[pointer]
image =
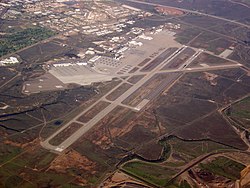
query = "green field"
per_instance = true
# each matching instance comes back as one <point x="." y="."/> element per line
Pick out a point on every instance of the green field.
<point x="149" y="172"/>
<point x="188" y="150"/>
<point x="155" y="174"/>
<point x="184" y="184"/>
<point x="242" y="109"/>
<point x="240" y="112"/>
<point x="225" y="167"/>
<point x="18" y="40"/>
<point x="7" y="152"/>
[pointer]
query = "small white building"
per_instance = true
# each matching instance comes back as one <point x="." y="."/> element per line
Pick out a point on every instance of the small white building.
<point x="9" y="61"/>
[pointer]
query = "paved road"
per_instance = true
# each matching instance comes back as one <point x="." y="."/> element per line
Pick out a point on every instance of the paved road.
<point x="118" y="102"/>
<point x="192" y="11"/>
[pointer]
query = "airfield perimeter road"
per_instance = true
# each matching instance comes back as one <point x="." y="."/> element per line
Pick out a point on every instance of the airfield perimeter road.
<point x="191" y="11"/>
<point x="118" y="102"/>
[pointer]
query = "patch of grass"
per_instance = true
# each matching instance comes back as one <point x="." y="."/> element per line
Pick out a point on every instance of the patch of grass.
<point x="38" y="158"/>
<point x="185" y="184"/>
<point x="175" y="164"/>
<point x="26" y="185"/>
<point x="16" y="41"/>
<point x="4" y="173"/>
<point x="242" y="113"/>
<point x="166" y="150"/>
<point x="90" y="151"/>
<point x="93" y="180"/>
<point x="189" y="150"/>
<point x="55" y="179"/>
<point x="241" y="109"/>
<point x="7" y="152"/>
<point x="46" y="160"/>
<point x="11" y="168"/>
<point x="149" y="172"/>
<point x="9" y="176"/>
<point x="225" y="167"/>
<point x="13" y="181"/>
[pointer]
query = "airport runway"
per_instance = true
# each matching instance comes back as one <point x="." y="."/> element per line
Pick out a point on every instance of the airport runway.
<point x="173" y="76"/>
<point x="71" y="139"/>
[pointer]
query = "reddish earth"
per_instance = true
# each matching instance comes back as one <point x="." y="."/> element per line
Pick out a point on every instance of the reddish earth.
<point x="72" y="159"/>
<point x="168" y="11"/>
<point x="245" y="177"/>
<point x="9" y="142"/>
